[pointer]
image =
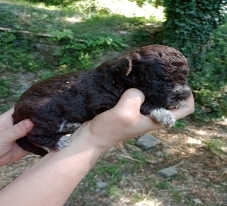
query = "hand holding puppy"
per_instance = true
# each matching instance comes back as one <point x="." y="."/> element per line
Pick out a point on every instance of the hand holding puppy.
<point x="9" y="149"/>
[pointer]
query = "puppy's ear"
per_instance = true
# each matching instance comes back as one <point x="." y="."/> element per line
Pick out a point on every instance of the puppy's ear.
<point x="122" y="66"/>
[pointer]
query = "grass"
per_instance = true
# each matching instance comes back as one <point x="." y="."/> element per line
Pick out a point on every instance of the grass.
<point x="41" y="19"/>
<point x="5" y="87"/>
<point x="216" y="145"/>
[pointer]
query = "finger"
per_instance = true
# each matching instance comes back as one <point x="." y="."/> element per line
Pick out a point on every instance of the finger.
<point x="131" y="98"/>
<point x="145" y="124"/>
<point x="17" y="131"/>
<point x="126" y="112"/>
<point x="128" y="107"/>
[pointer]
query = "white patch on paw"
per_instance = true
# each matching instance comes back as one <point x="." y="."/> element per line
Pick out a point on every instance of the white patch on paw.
<point x="163" y="116"/>
<point x="71" y="127"/>
<point x="63" y="142"/>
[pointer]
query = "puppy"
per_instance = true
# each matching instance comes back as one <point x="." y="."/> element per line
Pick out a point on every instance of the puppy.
<point x="59" y="105"/>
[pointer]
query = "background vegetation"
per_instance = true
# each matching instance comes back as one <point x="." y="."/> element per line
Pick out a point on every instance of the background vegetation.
<point x="191" y="26"/>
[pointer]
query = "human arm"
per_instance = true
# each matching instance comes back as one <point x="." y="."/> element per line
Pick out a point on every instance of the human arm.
<point x="51" y="180"/>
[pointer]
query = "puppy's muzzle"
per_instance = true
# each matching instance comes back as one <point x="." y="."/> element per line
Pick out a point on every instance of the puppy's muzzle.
<point x="182" y="92"/>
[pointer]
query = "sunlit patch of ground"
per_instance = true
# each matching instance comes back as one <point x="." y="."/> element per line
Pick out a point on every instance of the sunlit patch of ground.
<point x="131" y="9"/>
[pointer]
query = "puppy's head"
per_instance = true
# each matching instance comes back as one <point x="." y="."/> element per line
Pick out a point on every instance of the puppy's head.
<point x="159" y="71"/>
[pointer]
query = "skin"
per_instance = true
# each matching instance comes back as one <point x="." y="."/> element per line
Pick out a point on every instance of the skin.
<point x="52" y="179"/>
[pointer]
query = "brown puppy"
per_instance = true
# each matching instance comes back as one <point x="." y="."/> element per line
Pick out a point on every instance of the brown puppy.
<point x="58" y="105"/>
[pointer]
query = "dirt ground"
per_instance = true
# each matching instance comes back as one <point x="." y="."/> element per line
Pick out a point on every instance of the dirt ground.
<point x="202" y="171"/>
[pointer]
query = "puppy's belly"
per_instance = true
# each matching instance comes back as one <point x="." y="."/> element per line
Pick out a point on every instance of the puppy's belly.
<point x="63" y="142"/>
<point x="66" y="128"/>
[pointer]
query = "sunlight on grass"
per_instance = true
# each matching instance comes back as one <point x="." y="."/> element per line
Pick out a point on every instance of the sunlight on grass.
<point x="73" y="19"/>
<point x="139" y="200"/>
<point x="120" y="7"/>
<point x="131" y="9"/>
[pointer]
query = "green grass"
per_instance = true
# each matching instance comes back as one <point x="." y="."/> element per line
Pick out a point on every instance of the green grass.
<point x="5" y="87"/>
<point x="215" y="145"/>
<point x="45" y="20"/>
<point x="29" y="17"/>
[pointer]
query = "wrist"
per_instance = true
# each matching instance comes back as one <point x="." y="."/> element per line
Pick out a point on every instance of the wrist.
<point x="82" y="151"/>
<point x="95" y="142"/>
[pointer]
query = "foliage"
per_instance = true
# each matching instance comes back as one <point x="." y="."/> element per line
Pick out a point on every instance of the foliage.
<point x="189" y="24"/>
<point x="180" y="125"/>
<point x="162" y="185"/>
<point x="177" y="195"/>
<point x="15" y="53"/>
<point x="5" y="87"/>
<point x="74" y="53"/>
<point x="53" y="2"/>
<point x="81" y="49"/>
<point x="208" y="79"/>
<point x="215" y="145"/>
<point x="188" y="27"/>
<point x="156" y="3"/>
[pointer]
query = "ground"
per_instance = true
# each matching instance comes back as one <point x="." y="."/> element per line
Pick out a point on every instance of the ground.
<point x="130" y="172"/>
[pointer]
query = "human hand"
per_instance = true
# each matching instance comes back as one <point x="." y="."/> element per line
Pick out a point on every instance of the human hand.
<point x="124" y="121"/>
<point x="9" y="133"/>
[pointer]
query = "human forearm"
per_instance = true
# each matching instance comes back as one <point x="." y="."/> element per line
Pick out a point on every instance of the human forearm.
<point x="53" y="178"/>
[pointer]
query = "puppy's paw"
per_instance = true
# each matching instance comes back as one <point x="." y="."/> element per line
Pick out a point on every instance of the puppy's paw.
<point x="163" y="116"/>
<point x="63" y="142"/>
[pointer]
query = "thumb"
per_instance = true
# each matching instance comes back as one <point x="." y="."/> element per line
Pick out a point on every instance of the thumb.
<point x="18" y="130"/>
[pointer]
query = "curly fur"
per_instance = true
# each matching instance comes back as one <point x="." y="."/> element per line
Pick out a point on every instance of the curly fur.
<point x="59" y="105"/>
